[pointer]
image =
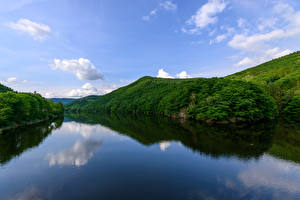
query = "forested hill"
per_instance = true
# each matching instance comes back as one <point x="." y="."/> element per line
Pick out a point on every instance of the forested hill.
<point x="213" y="100"/>
<point x="3" y="88"/>
<point x="281" y="78"/>
<point x="25" y="108"/>
<point x="247" y="96"/>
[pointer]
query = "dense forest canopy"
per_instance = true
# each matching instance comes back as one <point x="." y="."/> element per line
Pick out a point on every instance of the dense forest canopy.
<point x="281" y="78"/>
<point x="19" y="108"/>
<point x="214" y="99"/>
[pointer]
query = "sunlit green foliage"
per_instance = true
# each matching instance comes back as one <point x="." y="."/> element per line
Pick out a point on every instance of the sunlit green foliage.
<point x="18" y="108"/>
<point x="291" y="110"/>
<point x="281" y="77"/>
<point x="214" y="99"/>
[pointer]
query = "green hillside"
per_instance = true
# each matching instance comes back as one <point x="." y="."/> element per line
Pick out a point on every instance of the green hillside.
<point x="242" y="97"/>
<point x="24" y="108"/>
<point x="3" y="88"/>
<point x="281" y="78"/>
<point x="212" y="100"/>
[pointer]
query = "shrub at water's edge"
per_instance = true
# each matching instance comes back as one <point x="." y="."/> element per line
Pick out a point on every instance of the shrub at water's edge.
<point x="23" y="108"/>
<point x="213" y="100"/>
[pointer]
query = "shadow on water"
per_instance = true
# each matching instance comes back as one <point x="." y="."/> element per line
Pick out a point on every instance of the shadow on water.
<point x="215" y="141"/>
<point x="15" y="142"/>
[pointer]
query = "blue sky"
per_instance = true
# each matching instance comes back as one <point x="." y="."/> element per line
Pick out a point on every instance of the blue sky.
<point x="74" y="48"/>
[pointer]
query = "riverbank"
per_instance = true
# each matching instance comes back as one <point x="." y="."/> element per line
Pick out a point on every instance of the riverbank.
<point x="3" y="129"/>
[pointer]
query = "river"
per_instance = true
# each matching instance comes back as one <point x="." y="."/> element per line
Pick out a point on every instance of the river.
<point x="137" y="157"/>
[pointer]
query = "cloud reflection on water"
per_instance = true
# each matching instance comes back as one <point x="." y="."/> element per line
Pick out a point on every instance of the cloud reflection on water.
<point x="164" y="145"/>
<point x="272" y="173"/>
<point x="77" y="155"/>
<point x="31" y="193"/>
<point x="85" y="130"/>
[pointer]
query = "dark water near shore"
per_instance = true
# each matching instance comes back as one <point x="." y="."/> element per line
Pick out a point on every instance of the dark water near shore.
<point x="126" y="157"/>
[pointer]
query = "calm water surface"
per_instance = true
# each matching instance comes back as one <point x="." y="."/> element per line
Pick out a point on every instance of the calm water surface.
<point x="114" y="157"/>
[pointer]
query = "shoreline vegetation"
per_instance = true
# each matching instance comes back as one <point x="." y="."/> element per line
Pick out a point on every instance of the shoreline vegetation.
<point x="29" y="123"/>
<point x="263" y="93"/>
<point x="22" y="109"/>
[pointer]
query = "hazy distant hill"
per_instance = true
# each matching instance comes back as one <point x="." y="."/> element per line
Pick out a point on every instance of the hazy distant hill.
<point x="62" y="100"/>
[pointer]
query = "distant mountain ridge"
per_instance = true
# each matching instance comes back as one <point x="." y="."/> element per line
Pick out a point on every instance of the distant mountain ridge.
<point x="62" y="100"/>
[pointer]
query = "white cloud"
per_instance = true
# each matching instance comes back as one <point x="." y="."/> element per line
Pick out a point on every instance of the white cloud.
<point x="37" y="31"/>
<point x="267" y="23"/>
<point x="49" y="95"/>
<point x="11" y="79"/>
<point x="86" y="90"/>
<point x="218" y="39"/>
<point x="164" y="145"/>
<point x="163" y="74"/>
<point x="82" y="68"/>
<point x="167" y="5"/>
<point x="206" y="15"/>
<point x="283" y="9"/>
<point x="245" y="62"/>
<point x="268" y="55"/>
<point x="241" y="22"/>
<point x="258" y="42"/>
<point x="222" y="37"/>
<point x="183" y="74"/>
<point x="78" y="155"/>
<point x="282" y="53"/>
